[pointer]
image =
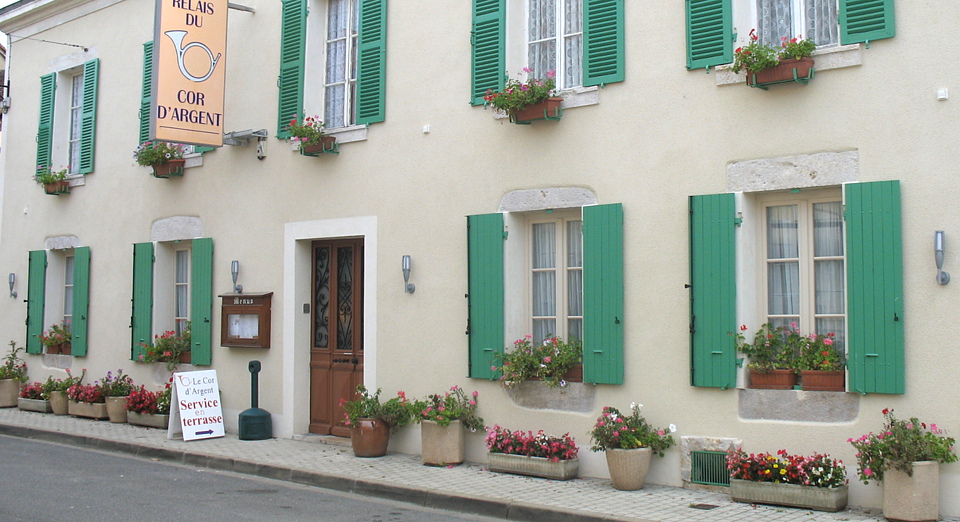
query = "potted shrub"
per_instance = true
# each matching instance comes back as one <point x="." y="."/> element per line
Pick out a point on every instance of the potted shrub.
<point x="371" y="421"/>
<point x="815" y="482"/>
<point x="13" y="371"/>
<point x="905" y="457"/>
<point x="629" y="443"/>
<point x="33" y="398"/>
<point x="168" y="348"/>
<point x="116" y="389"/>
<point x="773" y="355"/>
<point x="524" y="102"/>
<point x="54" y="181"/>
<point x="309" y="134"/>
<point x="526" y="453"/>
<point x="766" y="65"/>
<point x="56" y="390"/>
<point x="821" y="365"/>
<point x="442" y="419"/>
<point x="87" y="400"/>
<point x="147" y="408"/>
<point x="553" y="361"/>
<point x="165" y="158"/>
<point x="57" y="339"/>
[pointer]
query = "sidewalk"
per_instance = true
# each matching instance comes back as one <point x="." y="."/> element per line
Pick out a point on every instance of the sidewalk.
<point x="467" y="488"/>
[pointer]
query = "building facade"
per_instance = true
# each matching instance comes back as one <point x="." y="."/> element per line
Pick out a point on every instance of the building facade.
<point x="669" y="205"/>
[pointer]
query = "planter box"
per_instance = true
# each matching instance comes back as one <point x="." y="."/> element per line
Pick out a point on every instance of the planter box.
<point x="9" y="392"/>
<point x="574" y="374"/>
<point x="327" y="145"/>
<point x="790" y="70"/>
<point x="442" y="445"/>
<point x="173" y="167"/>
<point x="548" y="109"/>
<point x="56" y="188"/>
<point x="150" y="420"/>
<point x="96" y="410"/>
<point x="63" y="349"/>
<point x="792" y="495"/>
<point x="533" y="466"/>
<point x="817" y="380"/>
<point x="774" y="380"/>
<point x="38" y="405"/>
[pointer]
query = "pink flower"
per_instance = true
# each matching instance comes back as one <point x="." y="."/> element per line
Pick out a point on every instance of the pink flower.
<point x="867" y="471"/>
<point x="660" y="432"/>
<point x="547" y="360"/>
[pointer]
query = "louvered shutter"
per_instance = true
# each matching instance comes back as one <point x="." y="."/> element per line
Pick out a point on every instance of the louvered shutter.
<point x="48" y="91"/>
<point x="141" y="319"/>
<point x="488" y="40"/>
<point x="146" y="89"/>
<point x="36" y="290"/>
<point x="602" y="41"/>
<point x="81" y="300"/>
<point x="201" y="301"/>
<point x="88" y="116"/>
<point x="372" y="61"/>
<point x="709" y="33"/>
<point x="292" y="51"/>
<point x="485" y="292"/>
<point x="713" y="291"/>
<point x="874" y="287"/>
<point x="865" y="20"/>
<point x="603" y="294"/>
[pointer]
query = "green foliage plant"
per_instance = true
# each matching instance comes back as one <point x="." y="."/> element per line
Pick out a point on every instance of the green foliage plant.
<point x="547" y="361"/>
<point x="452" y="405"/>
<point x="151" y="153"/>
<point x="614" y="430"/>
<point x="309" y="131"/>
<point x="395" y="412"/>
<point x="13" y="367"/>
<point x="46" y="175"/>
<point x="518" y="94"/>
<point x="898" y="445"/>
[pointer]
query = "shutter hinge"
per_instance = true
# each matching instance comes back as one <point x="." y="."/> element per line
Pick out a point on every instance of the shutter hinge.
<point x="739" y="362"/>
<point x="505" y="234"/>
<point x="738" y="221"/>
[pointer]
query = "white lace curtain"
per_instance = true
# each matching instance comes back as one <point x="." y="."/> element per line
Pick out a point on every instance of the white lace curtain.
<point x="777" y="19"/>
<point x="342" y="22"/>
<point x="543" y="25"/>
<point x="544" y="295"/>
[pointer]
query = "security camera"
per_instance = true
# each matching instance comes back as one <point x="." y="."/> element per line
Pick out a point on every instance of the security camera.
<point x="261" y="148"/>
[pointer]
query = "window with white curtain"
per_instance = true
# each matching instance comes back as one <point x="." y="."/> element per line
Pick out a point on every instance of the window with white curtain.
<point x="804" y="253"/>
<point x="555" y="40"/>
<point x="556" y="278"/>
<point x="340" y="79"/>
<point x="813" y="19"/>
<point x="76" y="109"/>
<point x="181" y="285"/>
<point x="68" y="289"/>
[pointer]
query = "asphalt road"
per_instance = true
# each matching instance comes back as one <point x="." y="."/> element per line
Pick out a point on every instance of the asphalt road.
<point x="42" y="482"/>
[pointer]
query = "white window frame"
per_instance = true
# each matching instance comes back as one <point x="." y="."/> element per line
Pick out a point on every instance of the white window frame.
<point x="562" y="315"/>
<point x="65" y="150"/>
<point x="165" y="317"/>
<point x="747" y="17"/>
<point x="559" y="38"/>
<point x="75" y="112"/>
<point x="69" y="274"/>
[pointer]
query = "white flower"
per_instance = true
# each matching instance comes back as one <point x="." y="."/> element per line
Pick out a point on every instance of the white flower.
<point x="633" y="405"/>
<point x="672" y="428"/>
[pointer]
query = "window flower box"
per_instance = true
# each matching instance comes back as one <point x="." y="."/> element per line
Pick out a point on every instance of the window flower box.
<point x="57" y="187"/>
<point x="328" y="145"/>
<point x="817" y="380"/>
<point x="790" y="70"/>
<point x="548" y="109"/>
<point x="773" y="380"/>
<point x="169" y="168"/>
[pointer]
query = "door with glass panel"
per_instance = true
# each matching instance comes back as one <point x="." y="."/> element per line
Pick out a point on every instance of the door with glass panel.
<point x="336" y="332"/>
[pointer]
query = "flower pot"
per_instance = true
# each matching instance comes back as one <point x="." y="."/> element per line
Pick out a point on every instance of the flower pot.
<point x="327" y="145"/>
<point x="789" y="70"/>
<point x="817" y="380"/>
<point x="628" y="467"/>
<point x="9" y="390"/>
<point x="117" y="409"/>
<point x="442" y="445"/>
<point x="574" y="374"/>
<point x="533" y="466"/>
<point x="548" y="109"/>
<point x="150" y="420"/>
<point x="58" y="402"/>
<point x="169" y="168"/>
<point x="37" y="405"/>
<point x="54" y="349"/>
<point x="369" y="437"/>
<point x="773" y="380"/>
<point x="792" y="495"/>
<point x="56" y="188"/>
<point x="92" y="410"/>
<point x="913" y="498"/>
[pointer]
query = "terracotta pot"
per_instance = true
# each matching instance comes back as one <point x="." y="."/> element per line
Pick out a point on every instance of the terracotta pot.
<point x="370" y="437"/>
<point x="442" y="445"/>
<point x="783" y="72"/>
<point x="817" y="380"/>
<point x="913" y="498"/>
<point x="9" y="391"/>
<point x="549" y="108"/>
<point x="58" y="402"/>
<point x="327" y="144"/>
<point x="59" y="349"/>
<point x="574" y="374"/>
<point x="169" y="168"/>
<point x="774" y="380"/>
<point x="117" y="409"/>
<point x="56" y="188"/>
<point x="628" y="467"/>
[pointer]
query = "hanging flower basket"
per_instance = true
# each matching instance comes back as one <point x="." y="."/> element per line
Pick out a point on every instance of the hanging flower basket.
<point x="169" y="168"/>
<point x="56" y="188"/>
<point x="327" y="145"/>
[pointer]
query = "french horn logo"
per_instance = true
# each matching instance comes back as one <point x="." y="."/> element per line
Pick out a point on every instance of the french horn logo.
<point x="177" y="38"/>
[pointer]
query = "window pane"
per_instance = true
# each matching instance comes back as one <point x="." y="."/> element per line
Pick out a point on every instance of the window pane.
<point x="829" y="282"/>
<point x="774" y="21"/>
<point x="542" y="22"/>
<point x="336" y="61"/>
<point x="544" y="294"/>
<point x="827" y="229"/>
<point x="68" y="289"/>
<point x="337" y="19"/>
<point x="333" y="101"/>
<point x="783" y="287"/>
<point x="543" y="328"/>
<point x="834" y="325"/>
<point x="544" y="245"/>
<point x="575" y="293"/>
<point x="574" y="329"/>
<point x="574" y="244"/>
<point x="822" y="25"/>
<point x="572" y="16"/>
<point x="542" y="58"/>
<point x="782" y="242"/>
<point x="183" y="266"/>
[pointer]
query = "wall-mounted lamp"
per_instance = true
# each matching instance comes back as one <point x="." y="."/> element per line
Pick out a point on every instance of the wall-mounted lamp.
<point x="405" y="265"/>
<point x="234" y="272"/>
<point x="13" y="280"/>
<point x="942" y="277"/>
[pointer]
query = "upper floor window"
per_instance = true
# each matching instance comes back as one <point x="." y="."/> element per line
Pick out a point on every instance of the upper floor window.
<point x="340" y="82"/>
<point x="556" y="285"/>
<point x="68" y="289"/>
<point x="76" y="110"/>
<point x="555" y="40"/>
<point x="813" y="19"/>
<point x="66" y="134"/>
<point x="181" y="286"/>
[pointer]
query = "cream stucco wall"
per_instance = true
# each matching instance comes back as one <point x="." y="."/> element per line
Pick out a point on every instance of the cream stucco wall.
<point x="653" y="140"/>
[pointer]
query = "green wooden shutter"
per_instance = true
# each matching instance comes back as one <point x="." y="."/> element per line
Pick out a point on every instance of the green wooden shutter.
<point x="865" y="20"/>
<point x="141" y="320"/>
<point x="485" y="291"/>
<point x="88" y="116"/>
<point x="874" y="287"/>
<point x="36" y="289"/>
<point x="201" y="301"/>
<point x="48" y="91"/>
<point x="488" y="40"/>
<point x="602" y="41"/>
<point x="372" y="61"/>
<point x="81" y="300"/>
<point x="709" y="33"/>
<point x="713" y="291"/>
<point x="292" y="51"/>
<point x="603" y="294"/>
<point x="146" y="90"/>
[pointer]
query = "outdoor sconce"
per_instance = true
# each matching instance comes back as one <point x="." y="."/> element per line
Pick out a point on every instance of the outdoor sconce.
<point x="13" y="281"/>
<point x="942" y="277"/>
<point x="405" y="265"/>
<point x="234" y="272"/>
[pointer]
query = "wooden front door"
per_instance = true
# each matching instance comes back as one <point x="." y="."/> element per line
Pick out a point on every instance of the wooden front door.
<point x="336" y="343"/>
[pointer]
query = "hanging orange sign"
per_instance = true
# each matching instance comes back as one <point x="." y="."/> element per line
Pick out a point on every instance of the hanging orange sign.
<point x="189" y="64"/>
